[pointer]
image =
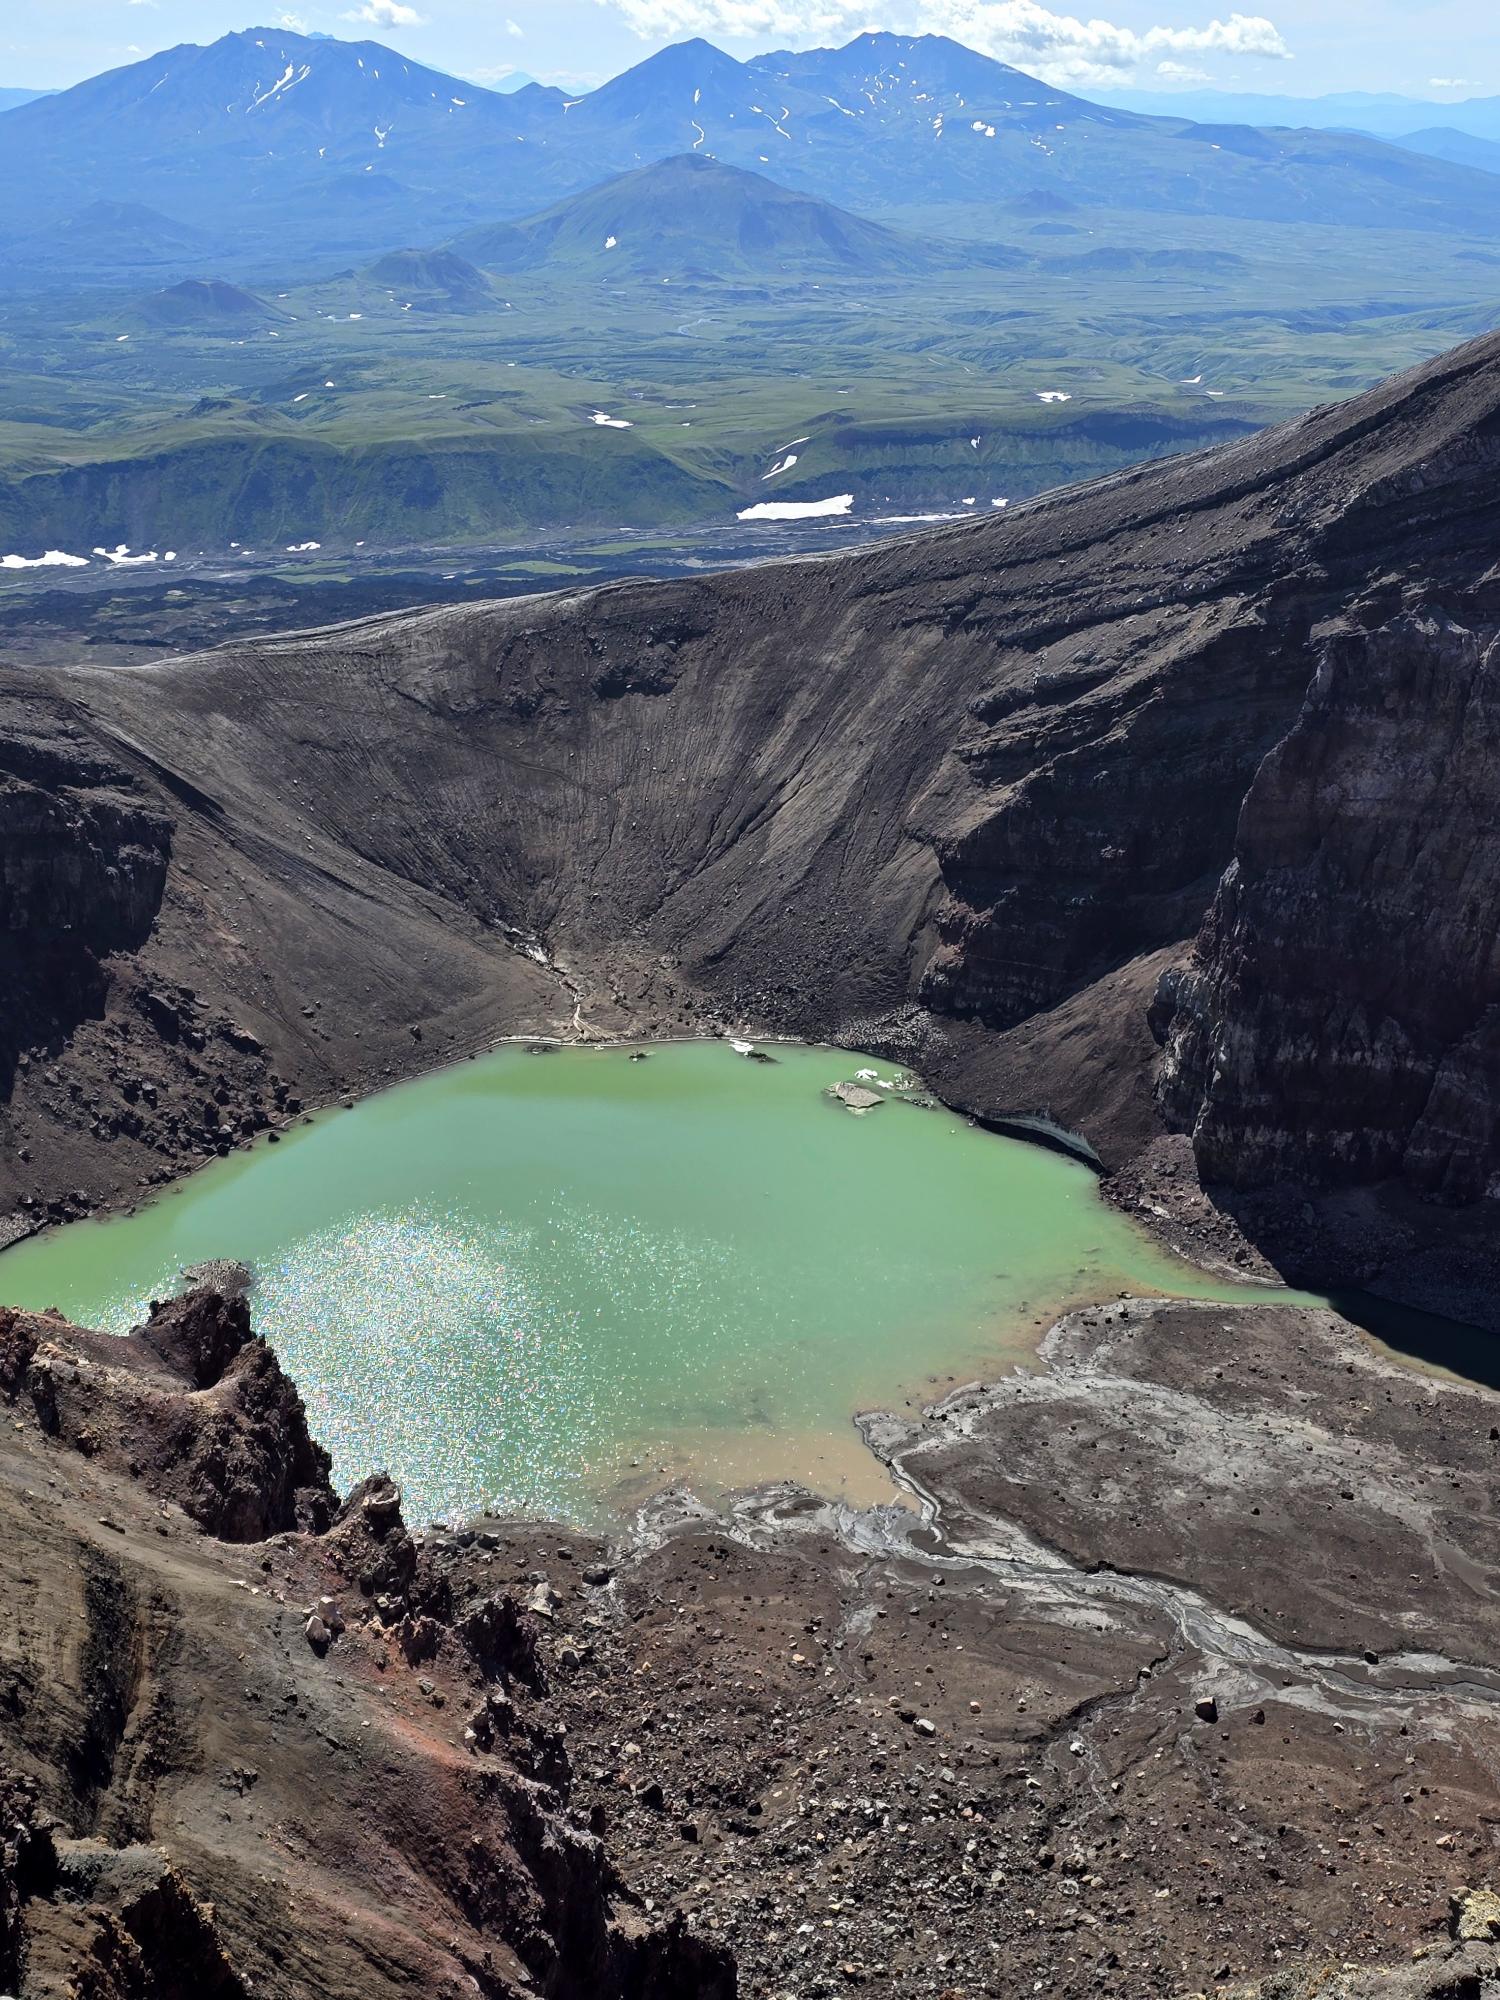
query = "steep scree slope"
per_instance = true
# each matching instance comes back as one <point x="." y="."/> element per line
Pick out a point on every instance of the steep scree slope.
<point x="969" y="794"/>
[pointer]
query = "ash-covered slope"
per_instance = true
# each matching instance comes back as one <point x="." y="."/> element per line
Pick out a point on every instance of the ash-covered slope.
<point x="971" y="793"/>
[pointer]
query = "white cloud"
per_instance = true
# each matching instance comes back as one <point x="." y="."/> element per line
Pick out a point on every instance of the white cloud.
<point x="293" y="23"/>
<point x="1451" y="83"/>
<point x="1058" y="47"/>
<point x="386" y="14"/>
<point x="1176" y="72"/>
<point x="515" y="28"/>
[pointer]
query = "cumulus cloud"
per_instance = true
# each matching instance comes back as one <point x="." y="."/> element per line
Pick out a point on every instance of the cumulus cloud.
<point x="385" y="14"/>
<point x="1451" y="83"/>
<point x="1176" y="72"/>
<point x="1059" y="47"/>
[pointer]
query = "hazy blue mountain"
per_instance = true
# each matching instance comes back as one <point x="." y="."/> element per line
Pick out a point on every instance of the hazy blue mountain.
<point x="1385" y="114"/>
<point x="868" y="123"/>
<point x="1444" y="143"/>
<point x="11" y="97"/>
<point x="692" y="215"/>
<point x="279" y="127"/>
<point x="105" y="237"/>
<point x="305" y="149"/>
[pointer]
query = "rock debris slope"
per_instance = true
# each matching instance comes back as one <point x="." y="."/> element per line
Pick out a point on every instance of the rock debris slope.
<point x="971" y="795"/>
<point x="1188" y="1681"/>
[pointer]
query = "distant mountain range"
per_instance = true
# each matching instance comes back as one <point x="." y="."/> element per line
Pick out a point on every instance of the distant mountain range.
<point x="1387" y="115"/>
<point x="305" y="149"/>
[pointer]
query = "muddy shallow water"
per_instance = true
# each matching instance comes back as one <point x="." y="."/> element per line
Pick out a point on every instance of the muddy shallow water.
<point x="544" y="1283"/>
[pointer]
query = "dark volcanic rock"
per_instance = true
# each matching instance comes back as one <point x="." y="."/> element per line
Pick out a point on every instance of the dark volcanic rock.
<point x="1340" y="1017"/>
<point x="83" y="863"/>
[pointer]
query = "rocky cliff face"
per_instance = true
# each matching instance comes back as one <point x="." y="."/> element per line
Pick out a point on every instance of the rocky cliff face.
<point x="1339" y="1018"/>
<point x="83" y="863"/>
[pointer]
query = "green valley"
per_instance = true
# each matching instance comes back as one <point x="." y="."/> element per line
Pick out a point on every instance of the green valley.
<point x="419" y="398"/>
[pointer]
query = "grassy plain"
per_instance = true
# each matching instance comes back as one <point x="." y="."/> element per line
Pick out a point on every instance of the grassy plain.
<point x="362" y="417"/>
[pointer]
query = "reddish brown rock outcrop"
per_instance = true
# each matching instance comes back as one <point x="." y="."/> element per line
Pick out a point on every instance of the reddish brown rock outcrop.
<point x="192" y="1402"/>
<point x="200" y="1795"/>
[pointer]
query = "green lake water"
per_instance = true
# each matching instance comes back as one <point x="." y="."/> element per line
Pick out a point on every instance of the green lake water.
<point x="540" y="1283"/>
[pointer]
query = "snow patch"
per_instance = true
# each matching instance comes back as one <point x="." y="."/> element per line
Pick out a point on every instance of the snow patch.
<point x="797" y="510"/>
<point x="121" y="557"/>
<point x="611" y="423"/>
<point x="1053" y="396"/>
<point x="288" y="80"/>
<point x="52" y="559"/>
<point x="783" y="465"/>
<point x="610" y="242"/>
<point x="302" y="548"/>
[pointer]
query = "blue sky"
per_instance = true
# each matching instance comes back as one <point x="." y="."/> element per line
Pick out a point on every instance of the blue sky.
<point x="1431" y="48"/>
